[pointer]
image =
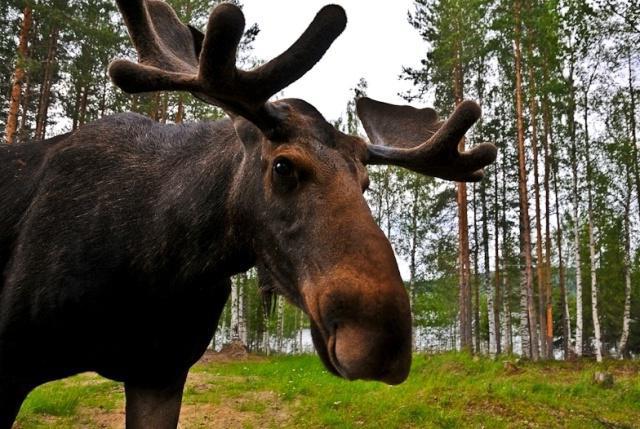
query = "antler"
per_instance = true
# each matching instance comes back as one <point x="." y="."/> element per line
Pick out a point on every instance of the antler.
<point x="416" y="139"/>
<point x="173" y="56"/>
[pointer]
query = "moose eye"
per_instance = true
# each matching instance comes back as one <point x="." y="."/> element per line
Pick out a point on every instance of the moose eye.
<point x="283" y="167"/>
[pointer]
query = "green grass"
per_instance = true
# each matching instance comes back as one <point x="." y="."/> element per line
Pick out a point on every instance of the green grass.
<point x="443" y="391"/>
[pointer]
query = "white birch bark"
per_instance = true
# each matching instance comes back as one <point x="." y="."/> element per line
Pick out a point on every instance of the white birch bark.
<point x="280" y="324"/>
<point x="626" y="316"/>
<point x="242" y="321"/>
<point x="592" y="244"/>
<point x="265" y="334"/>
<point x="237" y="325"/>
<point x="506" y="289"/>
<point x="594" y="291"/>
<point x="234" y="325"/>
<point x="507" y="333"/>
<point x="493" y="349"/>
<point x="576" y="240"/>
<point x="525" y="339"/>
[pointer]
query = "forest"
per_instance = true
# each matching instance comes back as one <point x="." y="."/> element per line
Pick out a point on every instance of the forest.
<point x="540" y="259"/>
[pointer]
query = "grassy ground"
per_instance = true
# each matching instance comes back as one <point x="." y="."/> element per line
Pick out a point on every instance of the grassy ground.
<point x="449" y="391"/>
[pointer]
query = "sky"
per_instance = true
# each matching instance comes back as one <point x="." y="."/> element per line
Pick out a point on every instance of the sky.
<point x="376" y="44"/>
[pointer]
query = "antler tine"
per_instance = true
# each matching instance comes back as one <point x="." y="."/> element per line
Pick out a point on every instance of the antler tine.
<point x="167" y="64"/>
<point x="292" y="64"/>
<point x="246" y="92"/>
<point x="439" y="155"/>
<point x="135" y="16"/>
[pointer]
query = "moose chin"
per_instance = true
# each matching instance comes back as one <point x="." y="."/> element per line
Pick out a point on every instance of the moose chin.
<point x="118" y="240"/>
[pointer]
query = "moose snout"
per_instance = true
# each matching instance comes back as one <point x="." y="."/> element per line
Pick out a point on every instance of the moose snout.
<point x="364" y="330"/>
<point x="371" y="353"/>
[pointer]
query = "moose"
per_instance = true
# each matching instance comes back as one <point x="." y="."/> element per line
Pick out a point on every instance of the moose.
<point x="118" y="240"/>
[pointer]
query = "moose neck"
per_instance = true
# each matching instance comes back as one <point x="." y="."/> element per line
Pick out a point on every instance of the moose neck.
<point x="204" y="228"/>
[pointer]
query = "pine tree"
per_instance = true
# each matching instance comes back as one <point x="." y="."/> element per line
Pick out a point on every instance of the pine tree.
<point x="19" y="75"/>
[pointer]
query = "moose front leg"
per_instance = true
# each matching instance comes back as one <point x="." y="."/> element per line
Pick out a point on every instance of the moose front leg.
<point x="155" y="407"/>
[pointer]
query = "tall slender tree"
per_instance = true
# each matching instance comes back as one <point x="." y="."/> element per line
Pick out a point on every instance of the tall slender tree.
<point x="18" y="75"/>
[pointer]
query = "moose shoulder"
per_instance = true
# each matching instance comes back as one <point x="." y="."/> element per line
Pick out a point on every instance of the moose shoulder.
<point x="117" y="241"/>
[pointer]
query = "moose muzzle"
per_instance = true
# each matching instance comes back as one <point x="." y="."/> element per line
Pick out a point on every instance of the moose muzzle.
<point x="361" y="318"/>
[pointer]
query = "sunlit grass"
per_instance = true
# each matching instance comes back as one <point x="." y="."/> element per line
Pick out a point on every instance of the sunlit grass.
<point x="449" y="391"/>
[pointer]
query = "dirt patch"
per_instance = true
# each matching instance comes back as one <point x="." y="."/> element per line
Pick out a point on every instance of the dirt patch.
<point x="256" y="409"/>
<point x="235" y="349"/>
<point x="103" y="419"/>
<point x="223" y="357"/>
<point x="202" y="382"/>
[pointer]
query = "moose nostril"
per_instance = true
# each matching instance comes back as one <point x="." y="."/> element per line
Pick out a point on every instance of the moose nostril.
<point x="368" y="353"/>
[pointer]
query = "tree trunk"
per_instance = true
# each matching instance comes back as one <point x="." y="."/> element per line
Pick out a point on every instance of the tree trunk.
<point x="540" y="274"/>
<point x="498" y="295"/>
<point x="154" y="112"/>
<point x="564" y="299"/>
<point x="103" y="98"/>
<point x="24" y="117"/>
<point x="476" y="279"/>
<point x="528" y="329"/>
<point x="464" y="268"/>
<point x="234" y="326"/>
<point x="237" y="326"/>
<point x="265" y="335"/>
<point x="223" y="328"/>
<point x="626" y="317"/>
<point x="592" y="244"/>
<point x="280" y="325"/>
<point x="506" y="287"/>
<point x="242" y="320"/>
<point x="634" y="141"/>
<point x="47" y="82"/>
<point x="486" y="275"/>
<point x="259" y="328"/>
<point x="76" y="107"/>
<point x="576" y="209"/>
<point x="83" y="105"/>
<point x="546" y="137"/>
<point x="165" y="107"/>
<point x="465" y="311"/>
<point x="412" y="257"/>
<point x="180" y="111"/>
<point x="18" y="75"/>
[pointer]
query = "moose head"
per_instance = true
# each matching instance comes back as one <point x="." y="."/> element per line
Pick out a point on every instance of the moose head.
<point x="296" y="198"/>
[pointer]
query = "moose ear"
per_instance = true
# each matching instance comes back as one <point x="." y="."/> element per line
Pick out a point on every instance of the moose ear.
<point x="396" y="126"/>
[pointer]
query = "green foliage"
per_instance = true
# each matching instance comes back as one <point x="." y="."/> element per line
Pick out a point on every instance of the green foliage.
<point x="456" y="32"/>
<point x="448" y="390"/>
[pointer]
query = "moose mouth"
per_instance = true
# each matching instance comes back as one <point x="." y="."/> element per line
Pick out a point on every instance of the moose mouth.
<point x="370" y="364"/>
<point x="326" y="350"/>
